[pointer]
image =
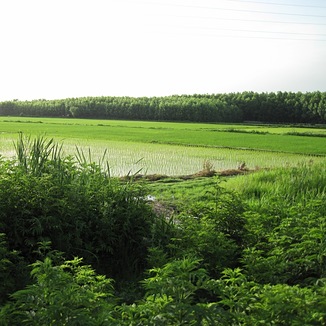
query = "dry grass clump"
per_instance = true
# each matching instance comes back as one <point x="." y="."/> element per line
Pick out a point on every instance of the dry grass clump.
<point x="206" y="172"/>
<point x="232" y="172"/>
<point x="148" y="177"/>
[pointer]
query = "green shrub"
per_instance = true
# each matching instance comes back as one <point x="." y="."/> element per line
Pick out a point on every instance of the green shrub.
<point x="77" y="206"/>
<point x="248" y="303"/>
<point x="66" y="294"/>
<point x="282" y="304"/>
<point x="173" y="297"/>
<point x="201" y="238"/>
<point x="12" y="270"/>
<point x="178" y="293"/>
<point x="293" y="251"/>
<point x="211" y="231"/>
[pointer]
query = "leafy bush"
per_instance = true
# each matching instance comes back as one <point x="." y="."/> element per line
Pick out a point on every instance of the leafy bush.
<point x="12" y="270"/>
<point x="249" y="303"/>
<point x="201" y="238"/>
<point x="211" y="230"/>
<point x="75" y="205"/>
<point x="294" y="250"/>
<point x="173" y="297"/>
<point x="282" y="304"/>
<point x="178" y="293"/>
<point x="67" y="294"/>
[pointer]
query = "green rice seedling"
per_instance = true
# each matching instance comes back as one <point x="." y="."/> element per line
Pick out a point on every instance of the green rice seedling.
<point x="173" y="160"/>
<point x="200" y="135"/>
<point x="167" y="148"/>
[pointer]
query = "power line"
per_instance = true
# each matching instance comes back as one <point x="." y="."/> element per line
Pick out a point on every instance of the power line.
<point x="229" y="9"/>
<point x="267" y="32"/>
<point x="248" y="30"/>
<point x="252" y="37"/>
<point x="251" y="31"/>
<point x="274" y="38"/>
<point x="249" y="20"/>
<point x="248" y="10"/>
<point x="279" y="4"/>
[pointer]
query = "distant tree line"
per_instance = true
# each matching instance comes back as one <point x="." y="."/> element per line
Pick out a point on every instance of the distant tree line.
<point x="291" y="107"/>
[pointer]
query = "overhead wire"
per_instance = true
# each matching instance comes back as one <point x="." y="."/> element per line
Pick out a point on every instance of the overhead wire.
<point x="255" y="31"/>
<point x="253" y="11"/>
<point x="203" y="32"/>
<point x="259" y="37"/>
<point x="254" y="20"/>
<point x="249" y="20"/>
<point x="230" y="9"/>
<point x="279" y="4"/>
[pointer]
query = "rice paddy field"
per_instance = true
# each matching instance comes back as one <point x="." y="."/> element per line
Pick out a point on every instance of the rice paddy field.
<point x="172" y="148"/>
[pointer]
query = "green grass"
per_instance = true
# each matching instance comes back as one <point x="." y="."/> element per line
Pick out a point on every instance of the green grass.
<point x="179" y="193"/>
<point x="190" y="134"/>
<point x="305" y="182"/>
<point x="273" y="129"/>
<point x="171" y="148"/>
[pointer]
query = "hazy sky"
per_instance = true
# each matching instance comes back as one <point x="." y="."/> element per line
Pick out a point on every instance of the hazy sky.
<point x="56" y="49"/>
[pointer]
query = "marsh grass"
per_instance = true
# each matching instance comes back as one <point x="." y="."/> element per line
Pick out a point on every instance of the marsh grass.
<point x="34" y="153"/>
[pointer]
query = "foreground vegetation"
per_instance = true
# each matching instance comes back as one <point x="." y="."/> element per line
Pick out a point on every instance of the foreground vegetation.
<point x="81" y="247"/>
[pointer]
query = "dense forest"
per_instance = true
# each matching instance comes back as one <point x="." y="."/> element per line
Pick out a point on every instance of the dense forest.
<point x="285" y="107"/>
